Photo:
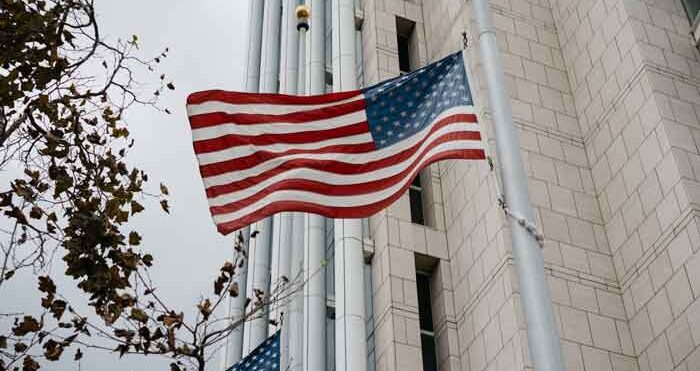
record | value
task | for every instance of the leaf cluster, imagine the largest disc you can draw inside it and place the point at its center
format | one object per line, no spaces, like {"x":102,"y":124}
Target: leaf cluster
{"x":72,"y":194}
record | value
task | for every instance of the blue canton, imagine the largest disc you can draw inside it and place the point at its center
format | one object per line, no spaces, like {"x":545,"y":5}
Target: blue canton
{"x":266,"y":357}
{"x":400,"y":107}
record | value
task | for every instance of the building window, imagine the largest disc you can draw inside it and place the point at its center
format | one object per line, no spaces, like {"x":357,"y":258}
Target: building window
{"x":330,"y":337}
{"x":415,"y":195}
{"x":405,"y":40}
{"x":425,"y":317}
{"x":692,"y":7}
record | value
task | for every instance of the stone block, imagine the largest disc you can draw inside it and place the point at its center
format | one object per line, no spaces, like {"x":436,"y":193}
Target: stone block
{"x":604,"y":333}
{"x":596,"y":359}
{"x":659,"y":312}
{"x":575,"y":325}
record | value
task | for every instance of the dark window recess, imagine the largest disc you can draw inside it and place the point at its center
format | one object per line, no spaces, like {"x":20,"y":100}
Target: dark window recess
{"x":415,"y":194}
{"x":404,"y":60}
{"x":404,"y":38}
{"x":425,"y":317}
{"x":692,"y":8}
{"x":330,"y":339}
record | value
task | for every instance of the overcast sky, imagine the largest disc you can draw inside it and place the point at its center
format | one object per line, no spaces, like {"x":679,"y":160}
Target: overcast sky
{"x":207,"y":49}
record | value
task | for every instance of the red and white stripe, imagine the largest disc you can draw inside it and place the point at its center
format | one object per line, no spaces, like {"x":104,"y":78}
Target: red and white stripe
{"x":260,"y":154}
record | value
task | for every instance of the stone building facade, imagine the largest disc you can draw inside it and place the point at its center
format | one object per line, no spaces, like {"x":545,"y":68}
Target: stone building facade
{"x":606,"y":97}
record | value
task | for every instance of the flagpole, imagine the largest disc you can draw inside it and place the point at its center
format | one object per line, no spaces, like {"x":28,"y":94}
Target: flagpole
{"x":543,"y":336}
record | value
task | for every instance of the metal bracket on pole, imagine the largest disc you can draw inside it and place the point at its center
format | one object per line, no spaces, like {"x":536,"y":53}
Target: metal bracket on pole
{"x":529,"y":226}
{"x":465,"y":40}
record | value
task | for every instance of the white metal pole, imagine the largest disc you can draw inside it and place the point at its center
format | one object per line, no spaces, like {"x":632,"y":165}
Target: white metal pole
{"x":296,"y":307}
{"x":350,"y":338}
{"x":543,"y":336}
{"x":301,"y":78}
{"x":289,"y":69}
{"x":315,"y":234}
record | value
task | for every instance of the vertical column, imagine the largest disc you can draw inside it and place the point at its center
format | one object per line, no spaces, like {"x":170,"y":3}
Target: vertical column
{"x":255,"y":17}
{"x":296,"y":306}
{"x":234,"y":346}
{"x":289,"y":68}
{"x":282,"y":251}
{"x":289,"y":58}
{"x":316,"y":51}
{"x":270,"y":55}
{"x":315,"y":225}
{"x":350,"y":339}
{"x":256,"y":329}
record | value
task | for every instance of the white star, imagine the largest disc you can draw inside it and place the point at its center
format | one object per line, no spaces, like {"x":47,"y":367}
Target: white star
{"x":403,"y":113}
{"x":416,"y":124}
{"x":385,"y":119}
{"x":382,"y":141}
{"x":390,"y":132}
{"x":397,"y":123}
{"x":410,"y":104}
{"x":400,"y":135}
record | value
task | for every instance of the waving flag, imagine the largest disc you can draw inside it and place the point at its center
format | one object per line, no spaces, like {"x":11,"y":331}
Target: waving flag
{"x":342,"y":155}
{"x":266,"y":357}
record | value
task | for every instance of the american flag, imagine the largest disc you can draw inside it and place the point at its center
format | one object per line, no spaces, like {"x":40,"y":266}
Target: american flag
{"x":266,"y":357}
{"x":342,"y":155}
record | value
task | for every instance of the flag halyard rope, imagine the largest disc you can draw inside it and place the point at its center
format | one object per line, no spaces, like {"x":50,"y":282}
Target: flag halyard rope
{"x":529,"y":226}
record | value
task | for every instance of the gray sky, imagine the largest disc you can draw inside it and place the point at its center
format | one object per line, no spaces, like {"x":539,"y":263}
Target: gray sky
{"x":207,"y":50}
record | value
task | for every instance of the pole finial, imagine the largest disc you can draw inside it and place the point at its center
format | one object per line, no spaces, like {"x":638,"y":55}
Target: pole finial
{"x":302,"y":12}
